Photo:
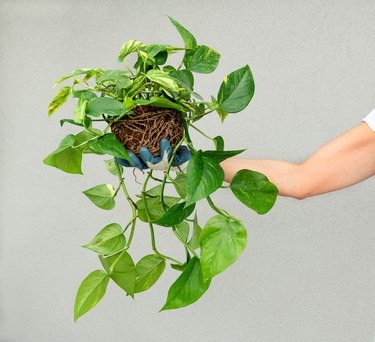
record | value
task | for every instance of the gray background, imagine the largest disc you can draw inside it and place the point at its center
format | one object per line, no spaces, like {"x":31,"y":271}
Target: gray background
{"x":307,"y":273}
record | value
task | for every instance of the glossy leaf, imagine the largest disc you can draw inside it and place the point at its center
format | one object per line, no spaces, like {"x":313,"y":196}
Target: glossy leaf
{"x":159,"y":102}
{"x":60,"y":98}
{"x":203,"y":176}
{"x":148,"y":270}
{"x":154,"y":206}
{"x":76,"y":73}
{"x":179,"y":183}
{"x":121,"y":269}
{"x":219,"y":156}
{"x":189,"y":39}
{"x":90,"y":292}
{"x":110,"y":75}
{"x":161,"y":77}
{"x":236,"y":90}
{"x":113,"y":167}
{"x":194,"y":240}
{"x":65,"y":157}
{"x":175,"y":214}
{"x":222,"y":241}
{"x":219,"y":143}
{"x":108,"y":241}
{"x":129,"y":47}
{"x":104,"y":105}
{"x":87,"y":94}
{"x":183,"y":229}
{"x":222,"y":114}
{"x":184,"y":78}
{"x":202,"y":59}
{"x":254,"y":190}
{"x":102,"y":196}
{"x":71,"y":121}
{"x":109,"y":144}
{"x":188,"y":287}
{"x":80,"y":110}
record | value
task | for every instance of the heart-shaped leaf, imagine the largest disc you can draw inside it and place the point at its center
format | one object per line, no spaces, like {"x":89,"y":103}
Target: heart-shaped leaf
{"x":254,"y":190}
{"x":102,"y":196}
{"x":236,"y":90}
{"x":90,"y":292}
{"x":188,"y":287}
{"x":203,"y":176}
{"x":104,"y":105}
{"x":108,"y":241}
{"x":121,"y":269}
{"x":222,"y":241}
{"x":148,"y":270}
{"x":109,"y":144}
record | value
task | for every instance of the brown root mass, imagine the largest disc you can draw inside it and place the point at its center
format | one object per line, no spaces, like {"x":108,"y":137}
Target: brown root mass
{"x":147,"y":127}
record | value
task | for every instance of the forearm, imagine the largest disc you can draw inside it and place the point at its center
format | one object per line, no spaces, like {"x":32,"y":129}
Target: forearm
{"x":344,"y":161}
{"x":285,"y":175}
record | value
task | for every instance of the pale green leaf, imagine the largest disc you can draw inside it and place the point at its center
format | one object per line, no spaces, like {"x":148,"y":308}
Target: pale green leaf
{"x":90,"y":292}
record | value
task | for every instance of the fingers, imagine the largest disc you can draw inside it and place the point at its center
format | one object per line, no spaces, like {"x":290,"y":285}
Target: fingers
{"x":134,"y":161}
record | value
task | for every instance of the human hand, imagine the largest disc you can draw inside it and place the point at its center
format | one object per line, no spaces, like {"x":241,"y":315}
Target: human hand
{"x":160,"y":162}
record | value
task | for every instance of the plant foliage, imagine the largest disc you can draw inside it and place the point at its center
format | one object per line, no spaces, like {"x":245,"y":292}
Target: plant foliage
{"x":104,"y":97}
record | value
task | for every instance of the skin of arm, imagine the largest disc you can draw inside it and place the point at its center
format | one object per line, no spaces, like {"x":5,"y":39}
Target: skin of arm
{"x":342,"y":162}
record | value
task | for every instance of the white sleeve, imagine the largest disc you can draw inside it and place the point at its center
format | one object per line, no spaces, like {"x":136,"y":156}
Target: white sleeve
{"x":370,"y":119}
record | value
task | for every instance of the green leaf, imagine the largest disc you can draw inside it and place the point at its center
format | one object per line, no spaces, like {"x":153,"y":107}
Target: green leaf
{"x":62,"y":121}
{"x":188,"y":287}
{"x":219,"y":156}
{"x":254,"y":190}
{"x":60,"y":98}
{"x":183,"y":230}
{"x":236,"y":90}
{"x":129,"y":47}
{"x":159,"y":102}
{"x":111,"y":166}
{"x":108,"y":241}
{"x":161,"y":77}
{"x":184,"y":78}
{"x":203,"y":176}
{"x":121,"y":269}
{"x":175,"y":214}
{"x":194,"y":240}
{"x":222,"y":114}
{"x":202,"y":59}
{"x":90,"y":292}
{"x":155,"y":207}
{"x":65,"y":157}
{"x":179,"y":183}
{"x":219,"y":143}
{"x":102,"y":196}
{"x":189,"y":39}
{"x":222,"y":241}
{"x":109,"y":144}
{"x":75,"y":73}
{"x":80,"y":110}
{"x":104,"y":105}
{"x":87,"y":94}
{"x":110,"y":75}
{"x":148,"y":270}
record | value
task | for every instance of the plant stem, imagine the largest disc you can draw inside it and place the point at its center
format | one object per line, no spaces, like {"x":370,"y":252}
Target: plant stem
{"x":127,"y":67}
{"x":201,"y":132}
{"x":187,"y":136}
{"x":187,"y":246}
{"x":166,"y":172}
{"x":132,"y":205}
{"x":153,"y":244}
{"x":220,"y":211}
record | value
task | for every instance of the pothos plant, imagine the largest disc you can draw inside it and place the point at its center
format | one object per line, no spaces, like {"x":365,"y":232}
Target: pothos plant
{"x":116,"y":96}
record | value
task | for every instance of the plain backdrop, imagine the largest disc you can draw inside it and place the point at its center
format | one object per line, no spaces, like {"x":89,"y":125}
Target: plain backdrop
{"x":307,"y":273}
